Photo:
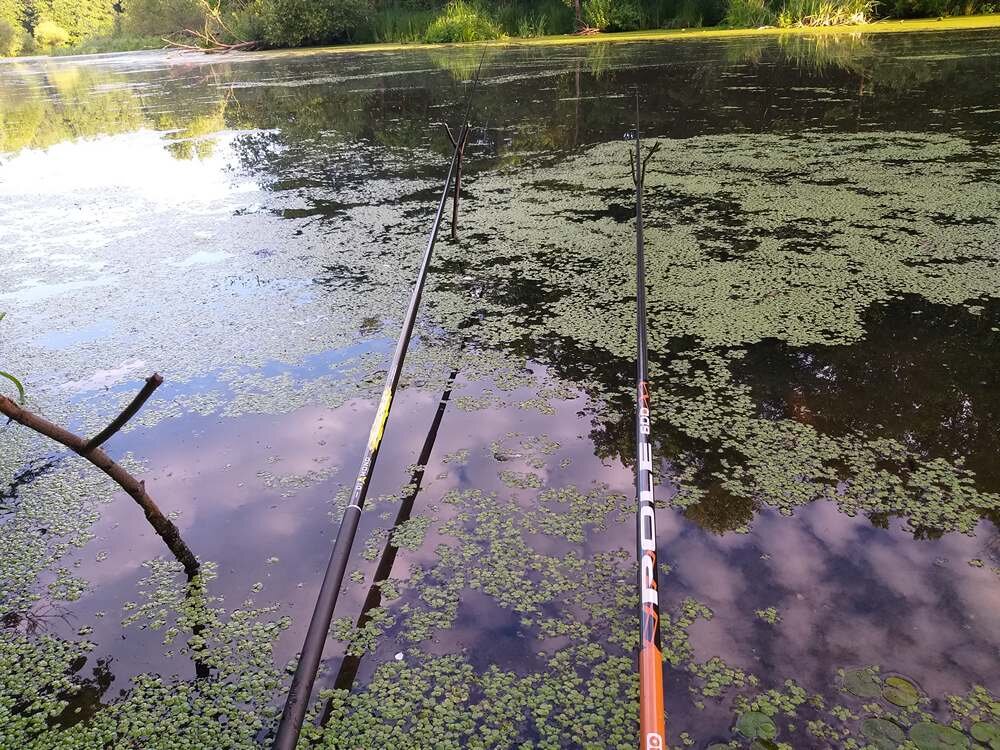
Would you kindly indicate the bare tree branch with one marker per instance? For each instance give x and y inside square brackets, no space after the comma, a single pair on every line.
[153,382]
[162,525]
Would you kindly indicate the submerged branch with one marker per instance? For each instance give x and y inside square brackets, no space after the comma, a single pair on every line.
[136,488]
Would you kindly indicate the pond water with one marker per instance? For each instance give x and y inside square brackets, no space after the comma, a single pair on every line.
[823,229]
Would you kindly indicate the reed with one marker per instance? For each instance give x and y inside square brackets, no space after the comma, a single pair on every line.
[826,12]
[749,14]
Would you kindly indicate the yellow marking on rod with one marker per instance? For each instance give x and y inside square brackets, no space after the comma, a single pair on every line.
[375,437]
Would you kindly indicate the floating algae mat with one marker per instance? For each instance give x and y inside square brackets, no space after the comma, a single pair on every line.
[823,252]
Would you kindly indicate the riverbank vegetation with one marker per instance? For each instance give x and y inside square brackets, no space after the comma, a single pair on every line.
[90,26]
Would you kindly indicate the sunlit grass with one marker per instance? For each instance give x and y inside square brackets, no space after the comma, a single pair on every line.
[826,12]
[462,22]
[401,25]
[749,14]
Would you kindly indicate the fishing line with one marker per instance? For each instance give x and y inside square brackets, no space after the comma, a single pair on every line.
[312,649]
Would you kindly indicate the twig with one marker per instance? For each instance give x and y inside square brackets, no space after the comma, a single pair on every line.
[458,176]
[153,382]
[134,487]
[631,162]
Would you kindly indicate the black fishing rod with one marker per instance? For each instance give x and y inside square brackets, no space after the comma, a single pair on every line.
[652,726]
[350,664]
[312,649]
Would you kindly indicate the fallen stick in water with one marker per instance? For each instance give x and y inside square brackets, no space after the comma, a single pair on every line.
[90,450]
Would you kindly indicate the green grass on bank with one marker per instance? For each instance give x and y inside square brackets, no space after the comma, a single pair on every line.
[958,23]
[280,24]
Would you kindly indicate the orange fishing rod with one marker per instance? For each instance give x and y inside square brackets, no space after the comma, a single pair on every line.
[652,726]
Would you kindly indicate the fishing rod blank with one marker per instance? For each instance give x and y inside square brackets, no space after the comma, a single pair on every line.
[312,649]
[652,727]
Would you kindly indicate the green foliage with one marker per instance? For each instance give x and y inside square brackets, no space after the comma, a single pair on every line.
[15,381]
[900,692]
[462,22]
[11,38]
[245,22]
[769,615]
[749,13]
[11,11]
[690,14]
[114,43]
[293,23]
[145,18]
[756,725]
[400,24]
[7,375]
[929,735]
[611,15]
[884,734]
[81,19]
[535,18]
[755,13]
[931,8]
[864,683]
[826,12]
[94,26]
[532,25]
[51,34]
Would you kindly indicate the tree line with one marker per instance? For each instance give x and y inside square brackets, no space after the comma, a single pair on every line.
[54,26]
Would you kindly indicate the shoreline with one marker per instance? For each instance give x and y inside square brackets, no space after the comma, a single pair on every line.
[955,23]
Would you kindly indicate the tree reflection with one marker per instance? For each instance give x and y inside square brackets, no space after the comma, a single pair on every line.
[925,374]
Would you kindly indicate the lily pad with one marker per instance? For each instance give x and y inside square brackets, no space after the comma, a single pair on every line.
[929,735]
[900,692]
[764,745]
[756,725]
[987,732]
[863,683]
[883,733]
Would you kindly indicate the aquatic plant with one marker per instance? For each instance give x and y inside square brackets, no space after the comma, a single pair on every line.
[528,562]
[11,378]
[769,615]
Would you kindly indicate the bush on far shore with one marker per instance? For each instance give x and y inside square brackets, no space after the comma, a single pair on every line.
[462,22]
[11,39]
[49,34]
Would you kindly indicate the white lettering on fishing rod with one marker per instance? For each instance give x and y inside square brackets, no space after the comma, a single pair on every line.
[648,568]
[654,741]
[647,565]
[643,420]
[647,528]
[645,457]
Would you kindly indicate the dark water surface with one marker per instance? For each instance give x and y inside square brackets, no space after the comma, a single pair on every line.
[824,242]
